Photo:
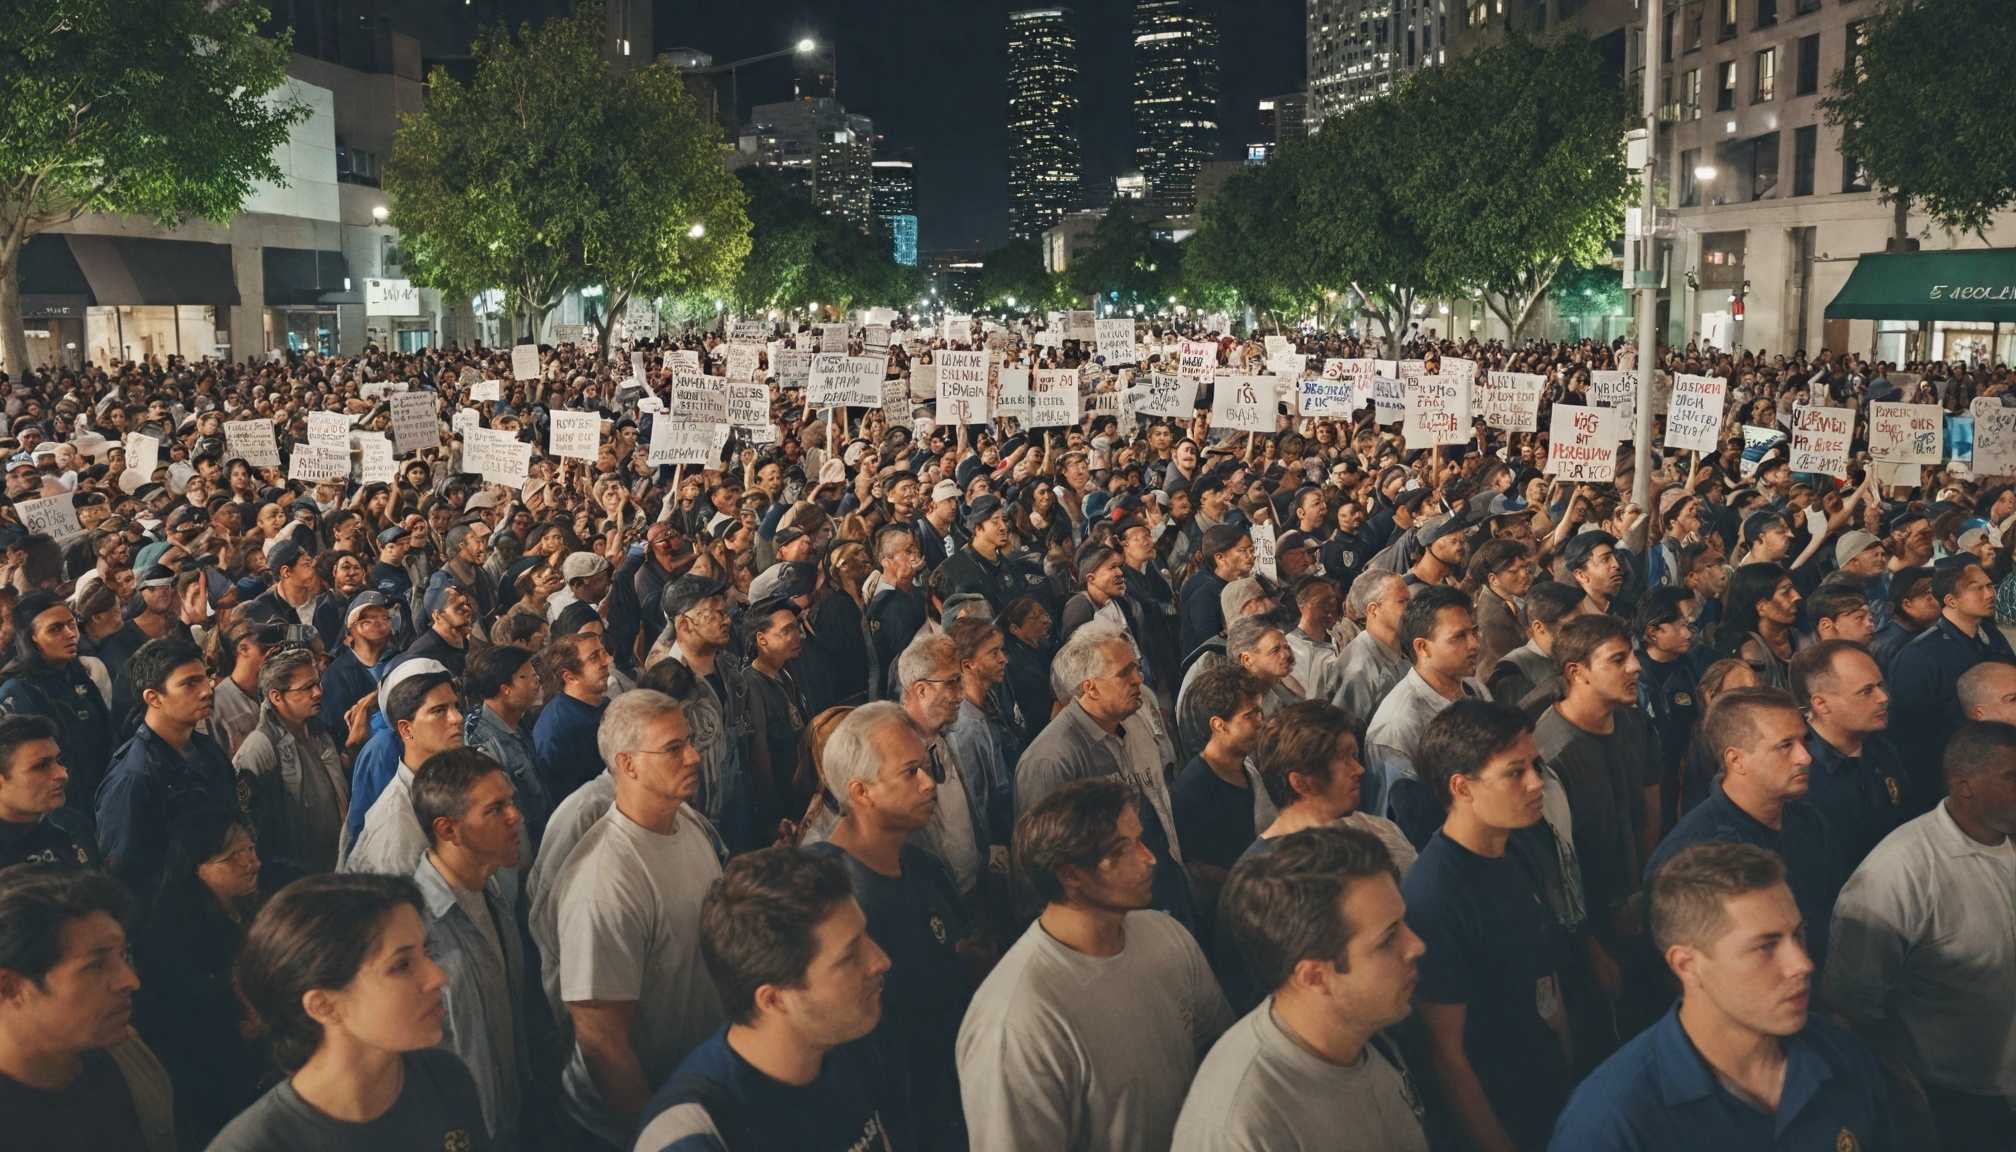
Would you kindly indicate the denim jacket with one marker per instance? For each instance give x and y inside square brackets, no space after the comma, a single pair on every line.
[477,976]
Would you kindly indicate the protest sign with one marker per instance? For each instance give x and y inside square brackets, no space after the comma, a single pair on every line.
[574,435]
[143,455]
[748,406]
[1079,325]
[1905,433]
[1012,398]
[1198,360]
[1166,394]
[1464,372]
[415,424]
[1994,437]
[1619,391]
[1820,439]
[525,362]
[1263,550]
[1582,444]
[490,390]
[375,463]
[253,442]
[638,374]
[564,334]
[1438,411]
[376,389]
[792,369]
[962,388]
[744,361]
[679,442]
[1344,387]
[1960,442]
[875,338]
[1756,442]
[833,338]
[314,463]
[329,429]
[896,396]
[1116,340]
[1694,415]
[682,360]
[748,332]
[699,400]
[847,381]
[1246,404]
[1054,398]
[1512,401]
[51,515]
[1389,398]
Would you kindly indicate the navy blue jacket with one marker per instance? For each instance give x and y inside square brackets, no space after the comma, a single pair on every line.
[84,731]
[1203,615]
[1924,696]
[150,787]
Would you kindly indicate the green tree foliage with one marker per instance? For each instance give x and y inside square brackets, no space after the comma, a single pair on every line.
[1930,109]
[1595,291]
[552,171]
[169,109]
[1129,267]
[1015,272]
[800,256]
[1247,248]
[1515,167]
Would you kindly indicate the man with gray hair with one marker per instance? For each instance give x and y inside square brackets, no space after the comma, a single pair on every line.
[1256,644]
[878,770]
[932,681]
[1097,671]
[289,768]
[631,978]
[1988,692]
[1373,663]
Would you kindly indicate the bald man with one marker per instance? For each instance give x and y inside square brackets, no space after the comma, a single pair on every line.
[1988,692]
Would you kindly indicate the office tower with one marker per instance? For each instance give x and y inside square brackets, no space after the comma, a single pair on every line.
[893,199]
[1175,98]
[1043,164]
[821,145]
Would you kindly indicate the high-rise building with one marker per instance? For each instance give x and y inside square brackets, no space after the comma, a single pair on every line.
[818,74]
[1175,98]
[1359,49]
[892,196]
[820,144]
[1043,161]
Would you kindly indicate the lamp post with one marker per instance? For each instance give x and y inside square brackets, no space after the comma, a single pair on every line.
[1648,256]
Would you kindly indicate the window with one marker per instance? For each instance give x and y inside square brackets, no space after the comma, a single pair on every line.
[1728,20]
[1802,7]
[1690,94]
[1767,13]
[1725,88]
[1694,19]
[1805,150]
[1764,167]
[1722,259]
[1669,33]
[1854,177]
[1767,77]
[391,261]
[1808,81]
[1690,185]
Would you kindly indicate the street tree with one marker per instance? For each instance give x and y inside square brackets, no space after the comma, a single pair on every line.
[1015,272]
[1248,241]
[800,256]
[1515,168]
[1129,266]
[1926,107]
[168,109]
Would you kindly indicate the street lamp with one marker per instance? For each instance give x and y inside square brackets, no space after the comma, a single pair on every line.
[697,231]
[804,47]
[807,44]
[1704,172]
[380,212]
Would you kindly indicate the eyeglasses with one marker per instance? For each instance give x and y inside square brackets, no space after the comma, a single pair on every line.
[960,678]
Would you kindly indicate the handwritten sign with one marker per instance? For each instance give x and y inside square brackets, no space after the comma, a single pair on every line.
[1582,444]
[748,405]
[253,442]
[1694,415]
[1389,399]
[833,338]
[744,361]
[1994,437]
[1246,404]
[1905,433]
[875,338]
[1512,401]
[682,360]
[1165,394]
[490,390]
[1619,391]
[374,463]
[962,387]
[699,400]
[525,362]
[574,435]
[329,429]
[1054,398]
[1012,397]
[1438,411]
[415,424]
[1079,325]
[1263,550]
[1116,340]
[679,442]
[1198,360]
[316,463]
[51,515]
[1344,387]
[143,455]
[747,332]
[847,381]
[1820,439]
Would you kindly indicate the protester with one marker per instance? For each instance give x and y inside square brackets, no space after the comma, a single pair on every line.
[35,825]
[422,710]
[295,788]
[168,769]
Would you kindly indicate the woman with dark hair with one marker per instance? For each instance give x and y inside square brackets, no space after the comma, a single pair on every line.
[373,505]
[186,1009]
[1030,648]
[1758,614]
[839,654]
[337,971]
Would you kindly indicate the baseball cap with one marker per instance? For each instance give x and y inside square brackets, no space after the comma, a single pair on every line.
[1581,545]
[683,594]
[157,576]
[788,536]
[20,460]
[944,490]
[1437,528]
[1294,541]
[950,610]
[982,508]
[1242,592]
[782,580]
[285,553]
[1505,504]
[480,500]
[582,565]
[1971,533]
[1853,544]
[361,601]
[1758,523]
[393,535]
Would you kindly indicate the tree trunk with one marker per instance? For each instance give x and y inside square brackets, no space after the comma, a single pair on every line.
[13,336]
[1900,210]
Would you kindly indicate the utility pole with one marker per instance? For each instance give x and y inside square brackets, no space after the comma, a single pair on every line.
[1648,262]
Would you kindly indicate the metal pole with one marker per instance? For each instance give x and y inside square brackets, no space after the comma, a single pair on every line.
[1648,262]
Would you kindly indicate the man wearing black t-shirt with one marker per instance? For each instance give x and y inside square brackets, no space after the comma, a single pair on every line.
[1213,798]
[1490,989]
[877,769]
[35,827]
[74,1076]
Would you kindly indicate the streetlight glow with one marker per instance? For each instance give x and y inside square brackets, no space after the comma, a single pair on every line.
[807,44]
[697,231]
[379,213]
[1704,172]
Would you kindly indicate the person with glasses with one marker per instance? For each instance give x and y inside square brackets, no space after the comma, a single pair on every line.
[934,686]
[636,991]
[291,770]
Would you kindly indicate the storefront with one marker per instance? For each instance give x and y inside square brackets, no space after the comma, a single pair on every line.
[106,298]
[1958,306]
[304,286]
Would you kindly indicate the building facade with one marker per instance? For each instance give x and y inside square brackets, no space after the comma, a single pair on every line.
[1175,98]
[822,145]
[1359,49]
[1044,170]
[893,198]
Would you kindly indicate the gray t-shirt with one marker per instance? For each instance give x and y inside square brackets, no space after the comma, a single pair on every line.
[629,930]
[437,1108]
[1064,1051]
[1260,1091]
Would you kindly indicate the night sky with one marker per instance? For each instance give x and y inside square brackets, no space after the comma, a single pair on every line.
[932,75]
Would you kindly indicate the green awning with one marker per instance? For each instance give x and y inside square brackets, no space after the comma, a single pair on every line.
[1961,284]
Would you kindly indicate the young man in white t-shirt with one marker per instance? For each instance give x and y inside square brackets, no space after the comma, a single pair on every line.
[1320,922]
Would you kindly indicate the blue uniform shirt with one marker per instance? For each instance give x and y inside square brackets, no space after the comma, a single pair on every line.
[150,787]
[1657,1093]
[1924,701]
[1814,866]
[565,740]
[1864,798]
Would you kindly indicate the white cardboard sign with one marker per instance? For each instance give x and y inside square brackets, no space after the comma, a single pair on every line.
[1994,437]
[1438,411]
[679,442]
[1820,438]
[415,423]
[525,362]
[1054,398]
[847,381]
[1512,401]
[1582,444]
[1906,433]
[1694,414]
[253,442]
[962,388]
[574,435]
[1246,404]
[50,516]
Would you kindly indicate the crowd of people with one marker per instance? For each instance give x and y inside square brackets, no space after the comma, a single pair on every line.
[1126,785]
